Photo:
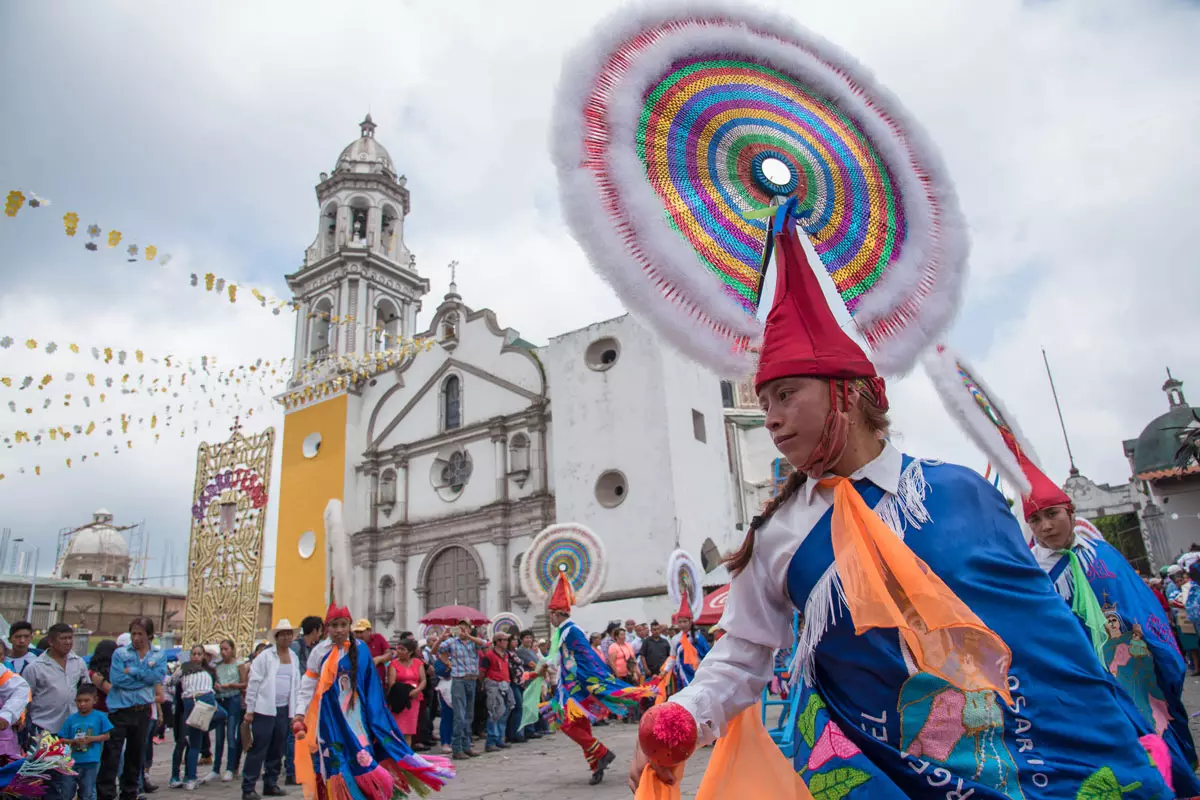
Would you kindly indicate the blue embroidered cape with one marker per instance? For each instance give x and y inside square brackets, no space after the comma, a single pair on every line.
[872,727]
[1152,673]
[358,734]
[586,686]
[685,673]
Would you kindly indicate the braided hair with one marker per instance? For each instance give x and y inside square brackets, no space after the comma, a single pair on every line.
[353,656]
[737,561]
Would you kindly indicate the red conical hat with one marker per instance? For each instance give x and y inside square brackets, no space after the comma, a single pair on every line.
[563,596]
[337,612]
[1044,493]
[685,610]
[802,336]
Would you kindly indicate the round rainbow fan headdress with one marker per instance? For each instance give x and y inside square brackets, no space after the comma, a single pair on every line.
[677,131]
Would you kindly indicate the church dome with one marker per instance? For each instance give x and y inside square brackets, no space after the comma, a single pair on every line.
[1156,446]
[98,540]
[365,154]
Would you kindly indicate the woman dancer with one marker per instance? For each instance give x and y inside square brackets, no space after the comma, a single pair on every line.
[935,654]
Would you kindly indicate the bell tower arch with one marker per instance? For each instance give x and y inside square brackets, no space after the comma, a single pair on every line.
[358,290]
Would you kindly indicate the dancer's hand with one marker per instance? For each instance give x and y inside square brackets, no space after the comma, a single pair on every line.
[640,762]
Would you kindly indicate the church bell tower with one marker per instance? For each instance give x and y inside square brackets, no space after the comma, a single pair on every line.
[357,294]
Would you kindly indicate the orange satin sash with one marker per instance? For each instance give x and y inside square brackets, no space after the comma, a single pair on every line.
[887,586]
[305,774]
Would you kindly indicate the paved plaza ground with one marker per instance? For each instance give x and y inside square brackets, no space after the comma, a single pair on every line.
[550,768]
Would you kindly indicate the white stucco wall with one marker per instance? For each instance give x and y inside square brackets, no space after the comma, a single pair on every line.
[615,419]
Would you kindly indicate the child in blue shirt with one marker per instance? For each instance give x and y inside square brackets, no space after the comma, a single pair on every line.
[87,731]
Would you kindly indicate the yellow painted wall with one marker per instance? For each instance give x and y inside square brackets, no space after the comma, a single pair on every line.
[306,487]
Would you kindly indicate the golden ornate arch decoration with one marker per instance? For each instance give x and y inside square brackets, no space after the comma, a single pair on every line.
[229,516]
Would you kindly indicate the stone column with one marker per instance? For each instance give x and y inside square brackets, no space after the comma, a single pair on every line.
[537,455]
[501,543]
[500,444]
[373,498]
[302,322]
[402,593]
[374,225]
[402,488]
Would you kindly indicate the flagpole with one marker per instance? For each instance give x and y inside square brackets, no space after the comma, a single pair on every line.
[1061,422]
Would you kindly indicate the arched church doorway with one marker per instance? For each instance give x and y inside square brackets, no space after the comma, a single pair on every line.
[452,579]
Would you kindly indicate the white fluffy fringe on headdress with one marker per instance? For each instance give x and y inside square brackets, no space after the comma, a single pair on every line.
[699,304]
[339,562]
[941,364]
[554,538]
[681,561]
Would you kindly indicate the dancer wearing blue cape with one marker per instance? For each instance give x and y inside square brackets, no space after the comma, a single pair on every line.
[1124,620]
[688,647]
[1126,627]
[347,744]
[937,660]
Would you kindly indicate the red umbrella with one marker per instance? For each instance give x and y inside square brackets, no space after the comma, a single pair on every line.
[714,606]
[452,615]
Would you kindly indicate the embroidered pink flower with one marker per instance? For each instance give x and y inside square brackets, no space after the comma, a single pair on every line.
[830,745]
[364,758]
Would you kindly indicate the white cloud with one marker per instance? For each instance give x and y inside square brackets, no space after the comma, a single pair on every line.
[1067,126]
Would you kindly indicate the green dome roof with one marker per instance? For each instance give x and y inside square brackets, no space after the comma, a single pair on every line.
[1155,448]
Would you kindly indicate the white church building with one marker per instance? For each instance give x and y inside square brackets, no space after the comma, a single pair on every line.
[449,463]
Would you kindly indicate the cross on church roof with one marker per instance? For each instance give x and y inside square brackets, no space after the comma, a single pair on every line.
[453,271]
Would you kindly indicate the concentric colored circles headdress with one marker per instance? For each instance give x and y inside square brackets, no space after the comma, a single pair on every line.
[429,630]
[505,622]
[978,411]
[981,415]
[677,127]
[570,549]
[685,583]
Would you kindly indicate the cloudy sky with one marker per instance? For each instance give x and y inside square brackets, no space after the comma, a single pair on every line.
[1069,128]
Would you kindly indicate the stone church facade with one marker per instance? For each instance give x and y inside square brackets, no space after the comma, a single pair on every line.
[452,458]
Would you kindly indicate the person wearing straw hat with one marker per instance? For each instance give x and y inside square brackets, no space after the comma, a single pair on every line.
[935,657]
[272,692]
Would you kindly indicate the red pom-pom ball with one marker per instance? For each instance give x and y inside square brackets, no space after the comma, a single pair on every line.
[667,734]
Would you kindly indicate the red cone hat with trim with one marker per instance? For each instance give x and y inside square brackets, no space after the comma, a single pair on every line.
[337,612]
[685,610]
[1044,493]
[802,336]
[563,596]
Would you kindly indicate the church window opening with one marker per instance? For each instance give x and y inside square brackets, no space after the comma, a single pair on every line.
[602,353]
[358,225]
[456,472]
[518,460]
[451,403]
[387,490]
[329,229]
[387,231]
[710,556]
[452,579]
[698,427]
[727,396]
[320,329]
[387,597]
[387,324]
[611,488]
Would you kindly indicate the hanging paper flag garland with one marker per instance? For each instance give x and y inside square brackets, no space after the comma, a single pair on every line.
[13,203]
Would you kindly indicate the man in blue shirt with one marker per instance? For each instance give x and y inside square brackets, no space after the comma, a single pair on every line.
[463,652]
[136,670]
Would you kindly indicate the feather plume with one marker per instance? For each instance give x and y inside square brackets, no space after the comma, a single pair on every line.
[339,565]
